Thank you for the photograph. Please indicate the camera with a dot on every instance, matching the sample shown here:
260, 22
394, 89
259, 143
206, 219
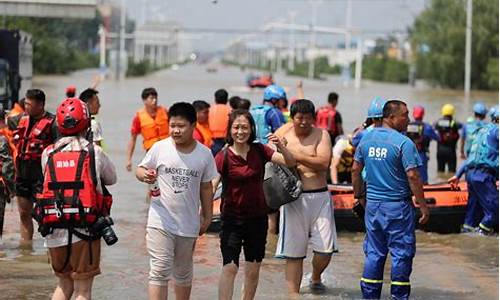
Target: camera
102, 227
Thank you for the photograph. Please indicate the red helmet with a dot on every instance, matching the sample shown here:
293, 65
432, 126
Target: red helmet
72, 116
418, 112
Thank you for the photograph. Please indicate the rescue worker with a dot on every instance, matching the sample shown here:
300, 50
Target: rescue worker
267, 117
202, 131
15, 114
218, 118
70, 91
151, 122
481, 173
448, 131
36, 130
328, 118
421, 133
342, 159
391, 161
471, 127
90, 97
73, 237
7, 168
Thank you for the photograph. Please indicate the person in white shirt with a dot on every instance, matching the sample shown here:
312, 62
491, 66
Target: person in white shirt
90, 97
75, 264
183, 170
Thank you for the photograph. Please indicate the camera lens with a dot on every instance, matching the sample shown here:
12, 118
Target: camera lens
109, 236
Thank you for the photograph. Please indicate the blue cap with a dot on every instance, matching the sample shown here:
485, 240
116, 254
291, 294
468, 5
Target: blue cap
274, 92
376, 109
480, 109
494, 112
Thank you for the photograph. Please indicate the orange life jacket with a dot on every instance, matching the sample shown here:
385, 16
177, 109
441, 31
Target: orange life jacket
218, 117
9, 136
153, 130
205, 133
325, 119
70, 198
16, 110
30, 145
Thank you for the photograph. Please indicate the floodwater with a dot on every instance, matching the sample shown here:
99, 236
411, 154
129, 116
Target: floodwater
446, 266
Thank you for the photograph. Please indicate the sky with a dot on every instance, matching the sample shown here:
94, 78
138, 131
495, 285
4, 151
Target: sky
381, 16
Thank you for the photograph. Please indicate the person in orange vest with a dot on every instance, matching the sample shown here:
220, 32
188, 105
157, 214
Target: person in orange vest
7, 168
35, 131
218, 118
15, 114
202, 131
151, 122
328, 118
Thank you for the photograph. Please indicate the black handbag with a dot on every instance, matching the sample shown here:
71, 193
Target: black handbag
281, 185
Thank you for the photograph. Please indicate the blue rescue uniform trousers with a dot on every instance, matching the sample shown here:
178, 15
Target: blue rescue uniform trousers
422, 170
390, 227
482, 206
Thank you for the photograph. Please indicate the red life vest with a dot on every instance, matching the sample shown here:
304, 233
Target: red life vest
69, 197
325, 119
30, 145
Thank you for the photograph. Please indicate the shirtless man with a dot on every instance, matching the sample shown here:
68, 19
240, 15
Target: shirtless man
310, 218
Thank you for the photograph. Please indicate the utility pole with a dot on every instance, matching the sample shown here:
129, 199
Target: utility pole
102, 49
291, 42
359, 64
468, 44
312, 46
348, 25
119, 68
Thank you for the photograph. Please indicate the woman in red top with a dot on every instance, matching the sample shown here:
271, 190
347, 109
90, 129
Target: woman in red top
243, 207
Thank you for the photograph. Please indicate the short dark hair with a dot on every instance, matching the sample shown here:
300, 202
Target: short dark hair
150, 91
480, 116
333, 98
234, 101
303, 106
184, 110
221, 96
244, 104
36, 94
392, 107
70, 94
87, 94
200, 105
235, 114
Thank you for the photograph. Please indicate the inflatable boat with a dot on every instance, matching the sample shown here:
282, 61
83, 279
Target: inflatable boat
447, 208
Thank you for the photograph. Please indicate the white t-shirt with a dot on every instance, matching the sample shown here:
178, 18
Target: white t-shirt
340, 146
96, 130
179, 177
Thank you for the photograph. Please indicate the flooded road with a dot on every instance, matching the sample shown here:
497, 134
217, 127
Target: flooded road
445, 267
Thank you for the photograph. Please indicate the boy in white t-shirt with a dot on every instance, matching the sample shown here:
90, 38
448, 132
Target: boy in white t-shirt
184, 169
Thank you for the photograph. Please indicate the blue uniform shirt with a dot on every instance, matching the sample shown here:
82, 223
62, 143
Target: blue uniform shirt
275, 119
387, 155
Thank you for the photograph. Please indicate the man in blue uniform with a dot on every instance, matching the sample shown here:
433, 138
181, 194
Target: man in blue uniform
266, 116
421, 133
470, 128
391, 161
481, 168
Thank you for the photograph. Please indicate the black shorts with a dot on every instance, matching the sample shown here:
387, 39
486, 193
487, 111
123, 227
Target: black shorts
29, 180
249, 234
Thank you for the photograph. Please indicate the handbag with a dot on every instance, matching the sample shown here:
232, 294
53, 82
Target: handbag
281, 185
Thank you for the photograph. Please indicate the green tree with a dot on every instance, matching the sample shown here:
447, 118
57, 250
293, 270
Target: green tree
438, 36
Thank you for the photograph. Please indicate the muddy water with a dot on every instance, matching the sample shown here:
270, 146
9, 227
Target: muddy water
446, 266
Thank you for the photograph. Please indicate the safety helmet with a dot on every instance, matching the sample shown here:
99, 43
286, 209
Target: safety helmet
71, 89
480, 109
448, 110
376, 109
494, 112
418, 112
274, 92
72, 116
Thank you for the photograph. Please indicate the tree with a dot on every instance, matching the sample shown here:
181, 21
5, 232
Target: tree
438, 36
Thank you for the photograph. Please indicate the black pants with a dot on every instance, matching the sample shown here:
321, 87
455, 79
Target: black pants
446, 156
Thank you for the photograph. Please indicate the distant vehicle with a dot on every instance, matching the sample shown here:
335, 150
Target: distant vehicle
211, 69
259, 81
16, 68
